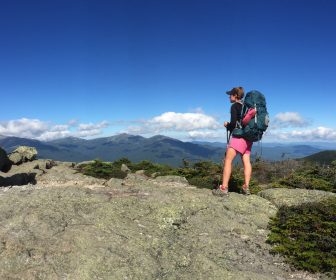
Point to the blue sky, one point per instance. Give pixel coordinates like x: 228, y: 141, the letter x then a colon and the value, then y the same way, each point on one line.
x: 98, y: 68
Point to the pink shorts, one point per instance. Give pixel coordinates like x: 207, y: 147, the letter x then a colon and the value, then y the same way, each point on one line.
x: 241, y: 145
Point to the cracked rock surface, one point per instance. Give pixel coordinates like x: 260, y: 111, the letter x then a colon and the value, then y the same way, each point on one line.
x: 70, y: 226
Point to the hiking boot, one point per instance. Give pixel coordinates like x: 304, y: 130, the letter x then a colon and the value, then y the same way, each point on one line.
x: 221, y: 191
x: 245, y: 190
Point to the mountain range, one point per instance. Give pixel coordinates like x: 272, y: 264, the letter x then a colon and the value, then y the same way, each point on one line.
x: 159, y: 148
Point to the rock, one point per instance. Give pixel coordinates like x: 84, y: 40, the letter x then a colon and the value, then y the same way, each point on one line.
x: 140, y: 172
x: 132, y: 179
x: 172, y: 179
x: 125, y: 168
x: 114, y: 183
x: 83, y: 163
x: 73, y: 226
x: 62, y: 174
x: 5, y: 163
x: 155, y: 174
x: 26, y: 173
x: 23, y: 154
x: 19, y: 179
x: 50, y: 164
x: 293, y: 197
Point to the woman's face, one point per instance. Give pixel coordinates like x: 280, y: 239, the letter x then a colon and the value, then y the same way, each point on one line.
x: 233, y: 98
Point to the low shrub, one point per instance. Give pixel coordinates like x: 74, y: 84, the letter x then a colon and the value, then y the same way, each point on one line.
x: 305, y: 180
x: 204, y: 182
x: 103, y: 170
x: 306, y: 236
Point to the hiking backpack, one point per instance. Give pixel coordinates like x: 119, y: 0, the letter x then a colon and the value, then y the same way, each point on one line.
x: 254, y: 117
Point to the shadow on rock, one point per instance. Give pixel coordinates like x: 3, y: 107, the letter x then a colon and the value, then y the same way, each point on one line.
x: 5, y: 163
x: 18, y: 180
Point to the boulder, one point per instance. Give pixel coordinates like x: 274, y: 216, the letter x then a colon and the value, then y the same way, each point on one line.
x: 114, y: 183
x: 155, y: 174
x: 125, y: 168
x: 5, y: 163
x: 294, y: 197
x: 50, y: 164
x: 140, y: 172
x: 84, y: 163
x: 172, y: 179
x: 23, y: 154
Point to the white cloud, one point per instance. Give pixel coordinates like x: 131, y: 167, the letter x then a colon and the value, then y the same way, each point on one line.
x: 40, y: 130
x: 51, y: 135
x: 310, y: 135
x: 289, y: 119
x: 176, y: 122
x: 205, y: 135
x: 60, y: 127
x: 184, y: 121
x: 91, y: 126
x: 25, y: 128
x: 91, y: 129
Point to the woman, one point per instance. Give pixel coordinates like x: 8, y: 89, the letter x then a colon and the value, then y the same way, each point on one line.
x: 236, y: 146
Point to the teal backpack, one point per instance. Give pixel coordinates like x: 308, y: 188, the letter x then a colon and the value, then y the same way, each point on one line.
x: 253, y: 129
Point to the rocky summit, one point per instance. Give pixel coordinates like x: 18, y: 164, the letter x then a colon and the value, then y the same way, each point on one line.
x: 56, y: 223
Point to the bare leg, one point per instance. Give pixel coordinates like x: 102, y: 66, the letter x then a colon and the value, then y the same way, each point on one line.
x: 230, y: 155
x: 247, y: 169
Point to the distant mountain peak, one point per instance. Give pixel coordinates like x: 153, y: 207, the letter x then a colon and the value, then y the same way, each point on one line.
x: 124, y: 136
x: 70, y: 139
x: 162, y: 137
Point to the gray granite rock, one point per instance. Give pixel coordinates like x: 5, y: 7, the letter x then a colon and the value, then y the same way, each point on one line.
x: 125, y: 168
x: 172, y: 179
x: 292, y: 197
x: 23, y: 154
x: 71, y: 226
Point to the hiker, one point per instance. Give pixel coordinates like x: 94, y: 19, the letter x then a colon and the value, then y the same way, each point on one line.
x: 235, y: 146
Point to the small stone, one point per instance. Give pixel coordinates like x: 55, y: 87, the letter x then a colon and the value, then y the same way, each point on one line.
x: 125, y: 168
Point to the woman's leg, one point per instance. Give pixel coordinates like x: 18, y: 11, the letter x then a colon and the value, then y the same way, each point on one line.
x: 247, y: 169
x: 230, y: 155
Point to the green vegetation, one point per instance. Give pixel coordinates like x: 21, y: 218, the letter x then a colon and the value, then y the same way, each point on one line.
x: 309, y: 176
x: 204, y: 174
x: 306, y: 236
x: 104, y: 170
x: 207, y: 174
x: 323, y: 158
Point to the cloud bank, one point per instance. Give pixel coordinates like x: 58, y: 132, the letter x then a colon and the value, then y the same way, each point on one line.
x: 195, y: 125
x: 45, y: 131
x: 285, y: 126
x: 310, y: 135
x: 289, y: 119
x: 291, y: 126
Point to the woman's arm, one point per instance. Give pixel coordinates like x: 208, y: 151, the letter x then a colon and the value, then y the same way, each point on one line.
x: 235, y: 116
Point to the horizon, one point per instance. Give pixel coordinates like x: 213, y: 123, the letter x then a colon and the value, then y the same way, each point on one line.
x: 97, y: 69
